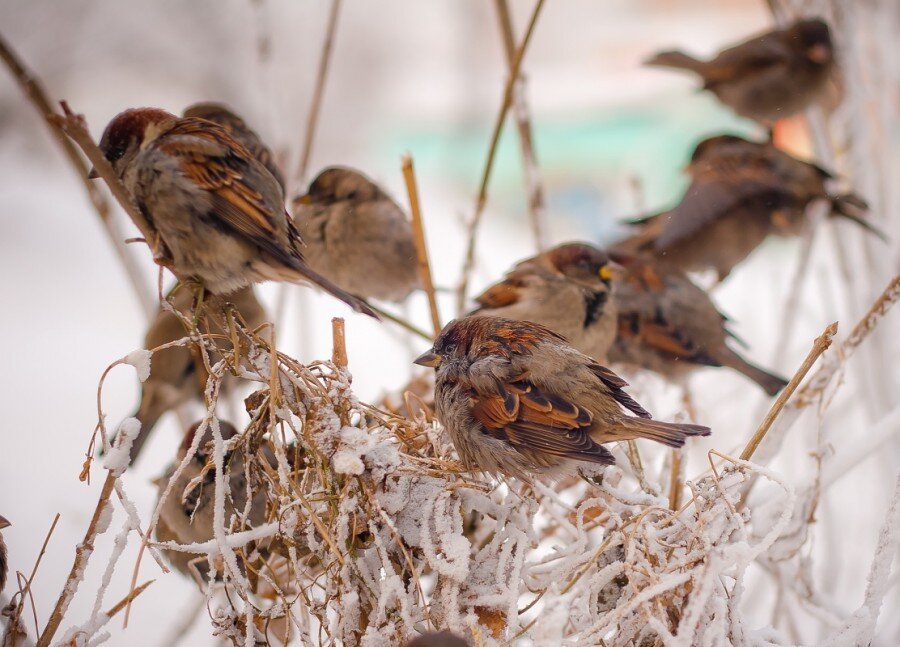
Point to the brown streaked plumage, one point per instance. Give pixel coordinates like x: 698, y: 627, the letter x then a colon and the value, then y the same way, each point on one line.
x: 517, y: 400
x: 771, y: 76
x: 670, y: 326
x: 217, y: 210
x: 357, y: 236
x: 566, y: 289
x: 740, y: 193
x: 174, y: 379
x: 237, y: 128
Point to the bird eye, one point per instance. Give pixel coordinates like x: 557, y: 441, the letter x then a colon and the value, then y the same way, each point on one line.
x: 115, y: 153
x: 450, y: 348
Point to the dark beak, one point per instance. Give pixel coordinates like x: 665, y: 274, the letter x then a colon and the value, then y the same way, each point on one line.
x: 4, y: 523
x: 92, y: 174
x: 429, y: 359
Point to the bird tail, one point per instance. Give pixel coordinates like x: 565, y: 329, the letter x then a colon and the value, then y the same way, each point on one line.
x: 300, y: 272
x: 852, y: 207
x: 768, y: 382
x: 678, y: 60
x: 668, y: 433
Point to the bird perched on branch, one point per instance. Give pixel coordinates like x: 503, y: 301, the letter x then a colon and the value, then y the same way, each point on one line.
x: 740, y: 193
x: 567, y: 289
x: 771, y: 76
x: 217, y: 211
x: 187, y: 515
x: 518, y: 400
x: 174, y: 376
x: 357, y: 236
x: 238, y: 128
x: 670, y: 326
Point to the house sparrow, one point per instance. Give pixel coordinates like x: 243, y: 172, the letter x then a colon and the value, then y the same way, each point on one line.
x: 670, y: 326
x: 173, y: 378
x: 740, y: 193
x: 567, y: 289
x: 769, y: 77
x: 238, y: 128
x: 357, y: 236
x: 4, y: 556
x: 187, y: 514
x: 517, y: 400
x: 217, y: 211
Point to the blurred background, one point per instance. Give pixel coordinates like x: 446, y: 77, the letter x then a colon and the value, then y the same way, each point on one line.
x: 611, y: 138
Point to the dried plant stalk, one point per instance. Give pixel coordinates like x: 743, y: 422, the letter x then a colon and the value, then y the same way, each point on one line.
x: 820, y: 345
x: 522, y: 115
x: 339, y: 343
x: 481, y: 200
x: 409, y: 176
x: 34, y: 90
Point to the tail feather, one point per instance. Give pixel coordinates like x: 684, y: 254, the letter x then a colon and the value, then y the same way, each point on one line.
x: 302, y: 272
x: 852, y: 207
x: 768, y: 382
x: 678, y: 60
x: 668, y: 433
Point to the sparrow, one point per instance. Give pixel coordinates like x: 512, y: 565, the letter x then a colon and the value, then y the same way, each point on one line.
x: 174, y: 379
x: 567, y: 289
x: 771, y: 76
x: 187, y: 514
x: 4, y: 556
x: 217, y: 211
x: 357, y: 236
x: 517, y: 400
x: 669, y: 325
x: 741, y: 192
x: 239, y: 130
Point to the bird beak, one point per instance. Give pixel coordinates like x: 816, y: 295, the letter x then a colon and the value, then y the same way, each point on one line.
x: 429, y: 359
x: 92, y: 174
x: 4, y: 523
x: 819, y: 53
x: 612, y: 271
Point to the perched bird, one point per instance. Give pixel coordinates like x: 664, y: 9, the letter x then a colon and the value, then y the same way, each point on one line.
x: 567, y: 289
x: 357, y: 236
x: 769, y: 77
x: 238, y: 128
x: 217, y: 211
x: 740, y: 193
x: 517, y: 400
x: 174, y: 378
x: 187, y: 514
x: 4, y: 556
x: 670, y: 326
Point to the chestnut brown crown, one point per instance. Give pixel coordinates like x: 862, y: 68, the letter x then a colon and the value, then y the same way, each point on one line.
x: 338, y: 183
x: 582, y: 262
x: 126, y: 132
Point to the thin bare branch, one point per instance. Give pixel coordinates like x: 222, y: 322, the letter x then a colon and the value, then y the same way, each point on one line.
x: 339, y: 343
x: 481, y: 200
x: 412, y: 189
x: 35, y: 92
x: 522, y: 115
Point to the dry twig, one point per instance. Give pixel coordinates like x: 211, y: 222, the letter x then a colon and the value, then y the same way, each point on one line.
x: 409, y: 176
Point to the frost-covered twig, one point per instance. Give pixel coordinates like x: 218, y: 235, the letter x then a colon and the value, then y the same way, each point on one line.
x: 412, y: 190
x: 522, y: 115
x: 33, y: 88
x: 481, y: 200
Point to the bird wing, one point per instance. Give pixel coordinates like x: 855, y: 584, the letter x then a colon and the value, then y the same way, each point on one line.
x: 245, y: 198
x: 535, y: 422
x: 752, y: 57
x: 717, y: 187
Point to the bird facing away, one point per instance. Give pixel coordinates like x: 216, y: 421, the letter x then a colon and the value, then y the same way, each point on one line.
x: 174, y: 378
x: 740, y: 193
x: 517, y: 400
x: 238, y: 128
x: 217, y: 211
x: 769, y: 77
x: 357, y: 236
x: 670, y: 326
x: 566, y: 289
